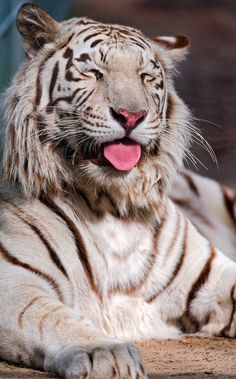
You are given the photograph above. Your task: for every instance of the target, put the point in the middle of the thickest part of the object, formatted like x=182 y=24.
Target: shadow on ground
x=191 y=357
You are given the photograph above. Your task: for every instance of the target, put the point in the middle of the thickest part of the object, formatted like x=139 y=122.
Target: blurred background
x=207 y=81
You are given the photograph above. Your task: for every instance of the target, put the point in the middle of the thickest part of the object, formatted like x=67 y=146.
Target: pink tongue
x=122 y=155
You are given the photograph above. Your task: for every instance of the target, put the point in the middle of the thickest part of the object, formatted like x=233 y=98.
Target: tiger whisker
x=196 y=137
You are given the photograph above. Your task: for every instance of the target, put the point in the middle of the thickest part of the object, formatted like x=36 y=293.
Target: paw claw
x=119 y=361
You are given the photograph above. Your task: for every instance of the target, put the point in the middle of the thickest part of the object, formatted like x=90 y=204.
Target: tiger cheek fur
x=94 y=254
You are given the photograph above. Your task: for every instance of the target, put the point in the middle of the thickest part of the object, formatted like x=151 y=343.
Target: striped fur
x=93 y=259
x=211 y=207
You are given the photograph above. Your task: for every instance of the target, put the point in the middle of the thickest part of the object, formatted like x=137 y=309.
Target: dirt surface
x=192 y=357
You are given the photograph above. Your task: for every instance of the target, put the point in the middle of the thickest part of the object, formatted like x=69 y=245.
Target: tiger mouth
x=123 y=154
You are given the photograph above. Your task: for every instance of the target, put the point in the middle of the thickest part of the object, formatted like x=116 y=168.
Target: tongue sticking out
x=123 y=155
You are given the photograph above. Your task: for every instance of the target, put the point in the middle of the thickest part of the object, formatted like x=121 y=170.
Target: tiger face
x=107 y=98
x=103 y=108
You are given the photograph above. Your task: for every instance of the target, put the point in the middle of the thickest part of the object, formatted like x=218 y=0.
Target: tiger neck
x=128 y=204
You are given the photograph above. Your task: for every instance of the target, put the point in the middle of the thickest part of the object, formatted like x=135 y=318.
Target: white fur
x=91 y=259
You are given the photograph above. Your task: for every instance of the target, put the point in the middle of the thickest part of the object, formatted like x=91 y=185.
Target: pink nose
x=127 y=119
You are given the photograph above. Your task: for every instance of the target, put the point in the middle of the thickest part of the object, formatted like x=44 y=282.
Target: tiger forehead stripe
x=138 y=42
x=86 y=29
x=87 y=22
x=96 y=42
x=126 y=34
x=91 y=36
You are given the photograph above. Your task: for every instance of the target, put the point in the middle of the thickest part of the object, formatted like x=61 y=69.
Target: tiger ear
x=36 y=27
x=176 y=46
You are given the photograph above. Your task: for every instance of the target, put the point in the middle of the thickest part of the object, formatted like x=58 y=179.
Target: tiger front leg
x=39 y=331
x=213 y=307
x=218 y=300
x=200 y=293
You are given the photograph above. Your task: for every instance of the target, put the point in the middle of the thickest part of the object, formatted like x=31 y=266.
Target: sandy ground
x=192 y=357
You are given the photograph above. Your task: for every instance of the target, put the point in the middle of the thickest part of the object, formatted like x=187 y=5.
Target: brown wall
x=208 y=78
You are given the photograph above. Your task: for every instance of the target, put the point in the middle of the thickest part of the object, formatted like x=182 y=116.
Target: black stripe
x=142 y=40
x=31 y=302
x=68 y=99
x=176 y=234
x=68 y=54
x=200 y=281
x=15 y=261
x=38 y=80
x=230 y=202
x=149 y=264
x=86 y=200
x=96 y=42
x=191 y=183
x=81 y=250
x=158 y=85
x=91 y=36
x=86 y=98
x=114 y=206
x=53 y=81
x=155 y=64
x=66 y=43
x=101 y=53
x=51 y=251
x=70 y=78
x=170 y=107
x=81 y=95
x=227 y=328
x=139 y=44
x=105 y=56
x=178 y=264
x=83 y=58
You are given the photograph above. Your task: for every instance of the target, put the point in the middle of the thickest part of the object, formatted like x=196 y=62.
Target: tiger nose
x=128 y=120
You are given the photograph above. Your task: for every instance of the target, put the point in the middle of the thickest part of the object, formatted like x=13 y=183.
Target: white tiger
x=94 y=254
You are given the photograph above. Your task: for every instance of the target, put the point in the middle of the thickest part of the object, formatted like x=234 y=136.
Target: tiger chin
x=94 y=254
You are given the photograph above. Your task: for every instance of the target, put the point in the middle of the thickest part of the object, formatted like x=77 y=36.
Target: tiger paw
x=118 y=361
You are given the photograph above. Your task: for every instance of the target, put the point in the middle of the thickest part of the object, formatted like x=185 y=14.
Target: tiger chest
x=123 y=259
x=120 y=251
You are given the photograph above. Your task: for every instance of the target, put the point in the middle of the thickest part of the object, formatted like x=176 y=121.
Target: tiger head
x=93 y=105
